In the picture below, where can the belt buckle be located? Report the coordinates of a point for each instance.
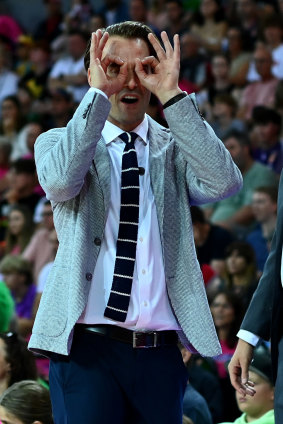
(138, 345)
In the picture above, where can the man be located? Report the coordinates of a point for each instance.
(264, 320)
(236, 212)
(106, 297)
(264, 206)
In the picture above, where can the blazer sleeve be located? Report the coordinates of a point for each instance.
(211, 172)
(64, 155)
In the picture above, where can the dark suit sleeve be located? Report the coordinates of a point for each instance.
(258, 316)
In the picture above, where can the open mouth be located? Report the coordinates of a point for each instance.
(129, 100)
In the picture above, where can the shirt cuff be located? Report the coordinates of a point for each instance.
(96, 90)
(248, 337)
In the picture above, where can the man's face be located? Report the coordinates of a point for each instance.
(236, 151)
(263, 62)
(130, 104)
(263, 206)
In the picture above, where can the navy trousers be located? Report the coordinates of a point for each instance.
(105, 381)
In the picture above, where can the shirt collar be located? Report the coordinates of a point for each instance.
(110, 131)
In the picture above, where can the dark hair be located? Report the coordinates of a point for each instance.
(227, 99)
(239, 309)
(18, 265)
(28, 401)
(271, 191)
(21, 360)
(245, 250)
(127, 29)
(197, 215)
(24, 166)
(241, 137)
(24, 237)
(219, 15)
(83, 34)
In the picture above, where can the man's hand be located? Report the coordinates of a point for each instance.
(163, 81)
(239, 368)
(99, 73)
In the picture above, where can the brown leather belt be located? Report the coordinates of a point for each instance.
(138, 339)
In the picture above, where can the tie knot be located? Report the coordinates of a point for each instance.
(128, 137)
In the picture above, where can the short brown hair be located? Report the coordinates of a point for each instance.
(127, 29)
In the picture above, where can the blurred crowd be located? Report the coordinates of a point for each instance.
(232, 58)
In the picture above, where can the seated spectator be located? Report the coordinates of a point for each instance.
(205, 383)
(114, 11)
(260, 92)
(157, 14)
(238, 55)
(33, 130)
(8, 78)
(50, 27)
(221, 85)
(138, 13)
(227, 312)
(12, 122)
(17, 362)
(175, 18)
(268, 148)
(61, 109)
(17, 276)
(194, 63)
(7, 308)
(235, 212)
(79, 15)
(258, 409)
(264, 204)
(69, 72)
(224, 116)
(211, 241)
(273, 33)
(240, 275)
(246, 16)
(39, 250)
(26, 402)
(22, 189)
(195, 406)
(23, 46)
(19, 231)
(209, 25)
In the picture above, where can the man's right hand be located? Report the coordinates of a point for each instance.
(107, 80)
(239, 368)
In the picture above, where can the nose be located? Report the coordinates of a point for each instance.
(132, 79)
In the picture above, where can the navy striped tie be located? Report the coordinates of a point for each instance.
(119, 299)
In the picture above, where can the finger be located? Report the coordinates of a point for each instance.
(139, 69)
(112, 61)
(168, 47)
(150, 61)
(177, 53)
(157, 46)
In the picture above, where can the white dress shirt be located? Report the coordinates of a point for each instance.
(149, 307)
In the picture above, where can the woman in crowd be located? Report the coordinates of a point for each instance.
(19, 231)
(227, 311)
(240, 275)
(26, 402)
(16, 362)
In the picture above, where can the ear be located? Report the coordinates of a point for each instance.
(89, 77)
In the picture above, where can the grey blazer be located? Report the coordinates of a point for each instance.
(188, 165)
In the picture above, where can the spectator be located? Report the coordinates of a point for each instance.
(79, 15)
(227, 312)
(240, 275)
(19, 230)
(260, 92)
(50, 27)
(210, 240)
(5, 153)
(97, 21)
(17, 363)
(33, 130)
(268, 148)
(236, 212)
(40, 251)
(68, 72)
(138, 11)
(246, 17)
(205, 383)
(175, 18)
(61, 108)
(194, 63)
(18, 277)
(157, 15)
(224, 116)
(26, 402)
(22, 188)
(258, 409)
(8, 78)
(195, 406)
(209, 25)
(264, 204)
(221, 84)
(12, 121)
(238, 55)
(114, 11)
(273, 33)
(23, 46)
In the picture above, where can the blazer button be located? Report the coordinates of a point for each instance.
(88, 276)
(97, 241)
